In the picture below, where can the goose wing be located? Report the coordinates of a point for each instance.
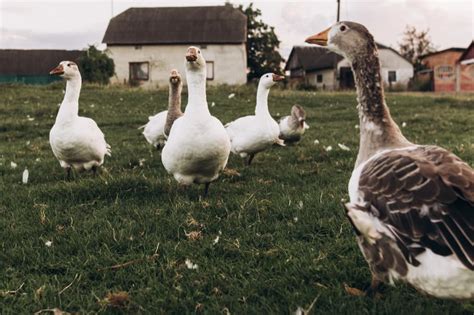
(425, 197)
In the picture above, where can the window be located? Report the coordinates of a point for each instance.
(137, 47)
(203, 46)
(392, 76)
(210, 70)
(445, 72)
(139, 71)
(319, 78)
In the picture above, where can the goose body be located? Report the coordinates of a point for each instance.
(411, 206)
(293, 127)
(77, 142)
(198, 146)
(154, 130)
(252, 134)
(158, 127)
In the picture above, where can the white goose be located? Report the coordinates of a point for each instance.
(412, 206)
(293, 127)
(252, 134)
(76, 141)
(157, 129)
(198, 146)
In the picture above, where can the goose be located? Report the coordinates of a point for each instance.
(411, 206)
(157, 129)
(293, 127)
(252, 134)
(77, 142)
(198, 147)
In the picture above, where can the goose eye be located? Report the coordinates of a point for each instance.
(342, 28)
(69, 64)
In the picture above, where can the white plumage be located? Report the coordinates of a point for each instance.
(198, 146)
(293, 127)
(252, 134)
(154, 130)
(76, 141)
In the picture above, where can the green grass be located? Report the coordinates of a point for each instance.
(283, 237)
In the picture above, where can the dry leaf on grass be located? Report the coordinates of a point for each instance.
(353, 291)
(55, 311)
(230, 172)
(193, 235)
(118, 299)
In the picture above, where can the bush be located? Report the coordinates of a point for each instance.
(96, 66)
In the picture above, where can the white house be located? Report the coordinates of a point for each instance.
(326, 70)
(146, 43)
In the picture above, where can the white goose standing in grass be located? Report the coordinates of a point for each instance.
(158, 127)
(198, 147)
(77, 142)
(412, 206)
(293, 127)
(256, 133)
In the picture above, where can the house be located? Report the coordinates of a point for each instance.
(321, 68)
(465, 70)
(146, 43)
(32, 66)
(441, 68)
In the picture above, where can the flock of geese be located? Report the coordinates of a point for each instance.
(411, 206)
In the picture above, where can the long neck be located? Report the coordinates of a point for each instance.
(197, 102)
(378, 131)
(69, 108)
(262, 101)
(174, 100)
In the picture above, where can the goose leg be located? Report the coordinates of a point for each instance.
(374, 287)
(251, 156)
(68, 173)
(206, 189)
(94, 170)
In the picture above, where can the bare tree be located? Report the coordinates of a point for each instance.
(415, 44)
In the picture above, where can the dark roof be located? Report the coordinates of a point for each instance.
(468, 53)
(177, 25)
(311, 58)
(455, 49)
(33, 62)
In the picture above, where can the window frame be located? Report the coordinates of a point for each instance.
(131, 73)
(208, 62)
(319, 78)
(395, 75)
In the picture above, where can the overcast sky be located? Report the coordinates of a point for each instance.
(73, 24)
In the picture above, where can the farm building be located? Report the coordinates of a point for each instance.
(32, 66)
(146, 43)
(441, 66)
(321, 68)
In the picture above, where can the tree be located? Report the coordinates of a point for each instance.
(96, 66)
(414, 45)
(262, 45)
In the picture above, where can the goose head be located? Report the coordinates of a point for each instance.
(194, 60)
(175, 78)
(67, 70)
(349, 39)
(270, 79)
(299, 114)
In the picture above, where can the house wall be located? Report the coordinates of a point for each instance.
(230, 62)
(466, 77)
(327, 79)
(444, 67)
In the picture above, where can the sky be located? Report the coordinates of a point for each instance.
(74, 24)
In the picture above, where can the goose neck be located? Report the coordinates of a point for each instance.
(262, 101)
(70, 106)
(378, 131)
(197, 101)
(174, 100)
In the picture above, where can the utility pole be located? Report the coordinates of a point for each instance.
(338, 9)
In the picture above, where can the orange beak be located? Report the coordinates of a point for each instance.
(277, 78)
(57, 71)
(320, 39)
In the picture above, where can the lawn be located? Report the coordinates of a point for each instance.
(269, 239)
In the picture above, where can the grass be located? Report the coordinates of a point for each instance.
(267, 241)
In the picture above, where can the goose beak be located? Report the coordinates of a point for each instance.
(320, 39)
(59, 70)
(277, 78)
(191, 54)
